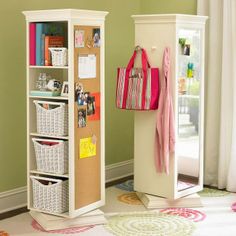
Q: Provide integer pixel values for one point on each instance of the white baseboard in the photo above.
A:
(17, 198)
(13, 199)
(119, 170)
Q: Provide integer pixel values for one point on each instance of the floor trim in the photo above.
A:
(119, 170)
(13, 199)
(16, 198)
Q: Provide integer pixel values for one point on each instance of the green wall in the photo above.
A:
(168, 6)
(119, 46)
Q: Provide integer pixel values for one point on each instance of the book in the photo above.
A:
(51, 41)
(44, 93)
(151, 201)
(43, 49)
(41, 30)
(51, 222)
(56, 28)
(32, 43)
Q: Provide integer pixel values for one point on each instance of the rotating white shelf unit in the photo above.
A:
(154, 33)
(85, 176)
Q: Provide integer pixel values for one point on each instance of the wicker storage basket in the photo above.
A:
(52, 118)
(59, 56)
(51, 155)
(49, 194)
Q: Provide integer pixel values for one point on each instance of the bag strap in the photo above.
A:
(145, 61)
(145, 66)
(131, 61)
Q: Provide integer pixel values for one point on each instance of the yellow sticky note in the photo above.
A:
(87, 148)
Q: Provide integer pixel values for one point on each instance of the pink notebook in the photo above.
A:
(32, 44)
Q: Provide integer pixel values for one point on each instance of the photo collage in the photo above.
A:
(88, 103)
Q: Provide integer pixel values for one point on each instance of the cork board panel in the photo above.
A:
(87, 170)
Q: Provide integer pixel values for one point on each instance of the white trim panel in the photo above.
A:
(169, 18)
(17, 198)
(63, 15)
(119, 170)
(13, 199)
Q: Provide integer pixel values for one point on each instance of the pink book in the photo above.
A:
(32, 44)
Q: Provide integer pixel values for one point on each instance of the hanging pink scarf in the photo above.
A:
(165, 131)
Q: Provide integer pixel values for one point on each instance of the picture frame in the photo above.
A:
(186, 49)
(65, 89)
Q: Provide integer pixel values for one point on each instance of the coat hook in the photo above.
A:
(137, 48)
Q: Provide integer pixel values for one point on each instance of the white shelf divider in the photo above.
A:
(49, 67)
(49, 97)
(50, 174)
(49, 136)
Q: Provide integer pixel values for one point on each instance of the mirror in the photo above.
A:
(188, 141)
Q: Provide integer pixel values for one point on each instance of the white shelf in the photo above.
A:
(49, 67)
(81, 199)
(49, 97)
(50, 174)
(49, 136)
(66, 214)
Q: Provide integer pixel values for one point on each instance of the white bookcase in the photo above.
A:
(85, 176)
(154, 33)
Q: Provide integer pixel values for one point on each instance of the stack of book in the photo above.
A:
(41, 37)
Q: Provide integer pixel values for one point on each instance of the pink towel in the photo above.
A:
(165, 131)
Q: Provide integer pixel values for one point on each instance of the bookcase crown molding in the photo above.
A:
(169, 18)
(64, 14)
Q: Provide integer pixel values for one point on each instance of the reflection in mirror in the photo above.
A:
(187, 145)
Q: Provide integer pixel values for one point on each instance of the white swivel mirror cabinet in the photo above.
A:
(184, 35)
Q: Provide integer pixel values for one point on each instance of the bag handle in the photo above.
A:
(145, 62)
(145, 65)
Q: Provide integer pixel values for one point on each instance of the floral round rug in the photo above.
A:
(147, 224)
(188, 213)
(211, 192)
(129, 198)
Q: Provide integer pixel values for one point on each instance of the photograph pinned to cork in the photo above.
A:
(96, 38)
(79, 38)
(90, 105)
(95, 110)
(82, 117)
(79, 89)
(82, 98)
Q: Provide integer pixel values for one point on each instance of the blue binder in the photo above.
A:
(41, 30)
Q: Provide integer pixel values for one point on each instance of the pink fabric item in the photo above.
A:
(165, 131)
